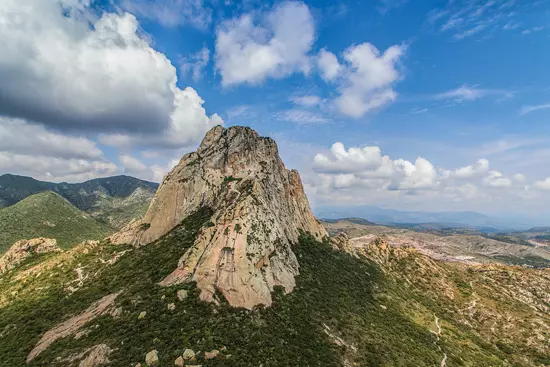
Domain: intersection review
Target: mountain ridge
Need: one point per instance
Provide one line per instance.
(113, 200)
(47, 214)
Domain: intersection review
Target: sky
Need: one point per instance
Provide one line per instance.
(424, 105)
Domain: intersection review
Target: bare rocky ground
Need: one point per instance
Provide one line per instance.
(470, 249)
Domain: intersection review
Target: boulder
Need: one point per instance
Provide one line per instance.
(212, 354)
(188, 354)
(152, 358)
(142, 315)
(179, 362)
(182, 294)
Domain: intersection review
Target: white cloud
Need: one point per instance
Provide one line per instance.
(466, 93)
(73, 71)
(131, 164)
(544, 184)
(172, 13)
(55, 169)
(31, 150)
(134, 167)
(17, 136)
(301, 117)
(366, 81)
(412, 176)
(481, 167)
(249, 50)
(306, 101)
(196, 64)
(364, 176)
(189, 124)
(518, 177)
(496, 179)
(528, 109)
(367, 167)
(465, 18)
(328, 65)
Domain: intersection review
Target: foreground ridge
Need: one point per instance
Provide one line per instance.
(259, 207)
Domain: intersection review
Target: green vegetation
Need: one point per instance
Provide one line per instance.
(228, 179)
(369, 311)
(48, 215)
(114, 201)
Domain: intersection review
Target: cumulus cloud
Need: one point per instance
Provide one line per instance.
(71, 71)
(134, 167)
(32, 150)
(172, 13)
(365, 80)
(496, 179)
(55, 169)
(17, 136)
(364, 175)
(544, 184)
(367, 167)
(328, 65)
(251, 48)
(479, 168)
(189, 125)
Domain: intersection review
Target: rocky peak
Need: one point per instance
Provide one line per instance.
(259, 209)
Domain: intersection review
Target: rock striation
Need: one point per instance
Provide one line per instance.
(259, 207)
(23, 249)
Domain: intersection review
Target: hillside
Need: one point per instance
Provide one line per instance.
(451, 245)
(111, 200)
(48, 215)
(376, 306)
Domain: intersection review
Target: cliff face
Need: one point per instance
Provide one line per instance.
(259, 210)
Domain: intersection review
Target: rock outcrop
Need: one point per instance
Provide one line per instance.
(259, 209)
(73, 325)
(23, 249)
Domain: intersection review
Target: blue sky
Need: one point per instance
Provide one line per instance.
(431, 105)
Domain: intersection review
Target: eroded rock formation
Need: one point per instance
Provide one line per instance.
(23, 249)
(259, 207)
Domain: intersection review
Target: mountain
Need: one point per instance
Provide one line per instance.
(186, 285)
(47, 214)
(112, 200)
(259, 209)
(460, 219)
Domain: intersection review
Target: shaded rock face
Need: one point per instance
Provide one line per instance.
(259, 210)
(23, 249)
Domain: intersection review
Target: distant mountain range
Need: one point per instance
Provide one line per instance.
(460, 219)
(111, 200)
